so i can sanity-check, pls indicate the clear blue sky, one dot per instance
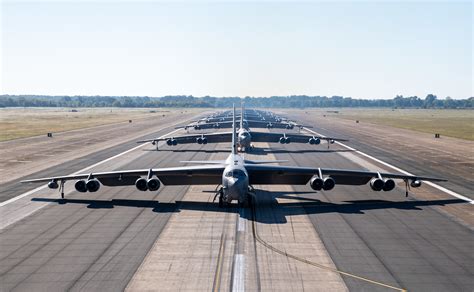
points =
(358, 49)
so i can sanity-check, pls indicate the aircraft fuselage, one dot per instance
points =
(235, 180)
(244, 138)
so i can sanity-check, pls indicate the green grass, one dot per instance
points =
(451, 123)
(26, 122)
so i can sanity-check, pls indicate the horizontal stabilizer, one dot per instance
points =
(264, 161)
(204, 161)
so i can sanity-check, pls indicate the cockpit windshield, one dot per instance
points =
(236, 173)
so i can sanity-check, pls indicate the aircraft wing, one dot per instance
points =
(185, 175)
(267, 174)
(294, 138)
(187, 139)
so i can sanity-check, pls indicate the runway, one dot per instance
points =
(178, 239)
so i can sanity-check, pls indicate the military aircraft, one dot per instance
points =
(260, 120)
(235, 175)
(245, 137)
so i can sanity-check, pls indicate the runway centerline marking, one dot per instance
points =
(436, 186)
(82, 170)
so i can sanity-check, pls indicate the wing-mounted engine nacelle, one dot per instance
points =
(318, 183)
(197, 127)
(171, 142)
(141, 184)
(415, 183)
(217, 125)
(92, 185)
(314, 141)
(153, 184)
(284, 140)
(378, 184)
(201, 140)
(290, 126)
(269, 125)
(331, 141)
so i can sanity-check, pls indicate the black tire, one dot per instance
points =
(221, 202)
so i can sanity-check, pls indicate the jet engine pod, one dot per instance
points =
(92, 185)
(289, 126)
(174, 142)
(388, 185)
(287, 140)
(169, 142)
(141, 184)
(197, 127)
(204, 140)
(81, 186)
(199, 140)
(269, 125)
(314, 141)
(316, 183)
(376, 184)
(331, 141)
(53, 184)
(415, 183)
(153, 184)
(328, 184)
(282, 140)
(217, 126)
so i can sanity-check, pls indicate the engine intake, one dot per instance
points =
(141, 184)
(388, 185)
(92, 185)
(316, 183)
(153, 184)
(314, 141)
(328, 184)
(377, 184)
(81, 186)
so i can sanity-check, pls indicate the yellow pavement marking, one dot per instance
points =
(217, 280)
(269, 246)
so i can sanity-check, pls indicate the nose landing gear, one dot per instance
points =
(220, 194)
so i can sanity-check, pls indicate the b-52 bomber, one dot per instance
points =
(235, 175)
(245, 137)
(255, 121)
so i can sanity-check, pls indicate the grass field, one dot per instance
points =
(451, 123)
(26, 122)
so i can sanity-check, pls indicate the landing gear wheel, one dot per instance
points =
(221, 202)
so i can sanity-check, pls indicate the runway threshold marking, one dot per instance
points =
(436, 186)
(220, 260)
(82, 170)
(303, 260)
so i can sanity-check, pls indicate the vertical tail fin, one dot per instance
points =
(242, 115)
(234, 149)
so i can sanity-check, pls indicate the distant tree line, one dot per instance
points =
(293, 101)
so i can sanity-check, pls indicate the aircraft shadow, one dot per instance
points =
(269, 210)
